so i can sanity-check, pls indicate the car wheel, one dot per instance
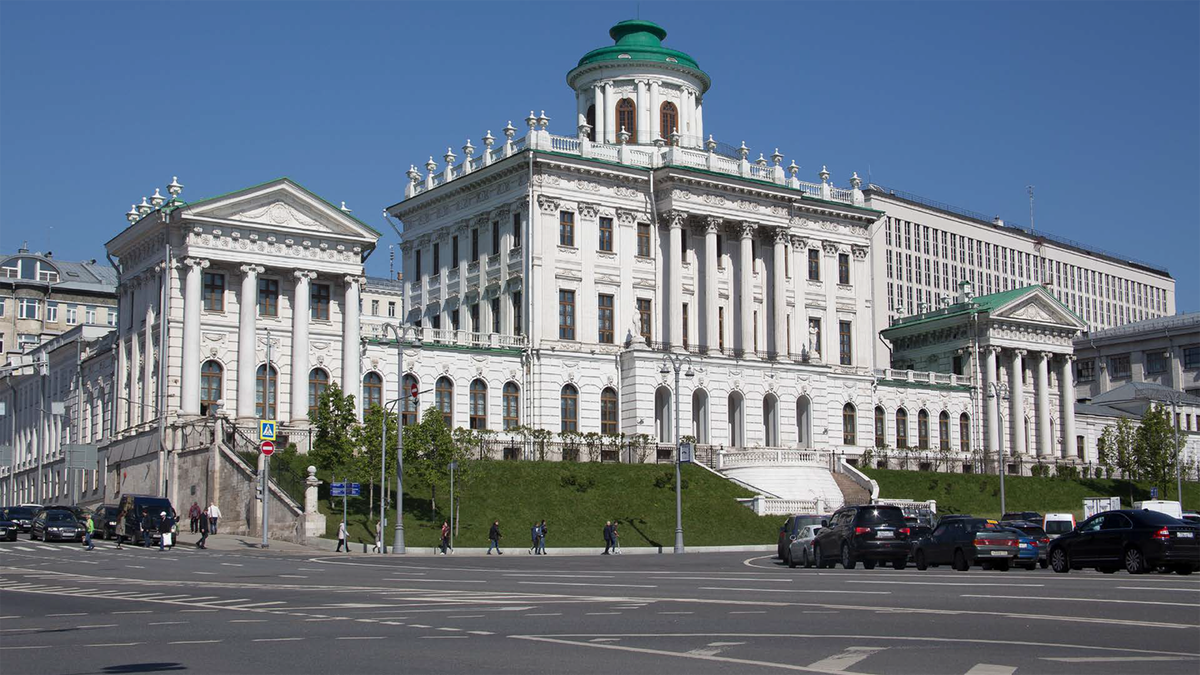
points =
(960, 561)
(1135, 563)
(1001, 565)
(1107, 570)
(1044, 563)
(787, 557)
(899, 564)
(1031, 566)
(32, 536)
(791, 562)
(921, 563)
(1059, 561)
(848, 561)
(1184, 570)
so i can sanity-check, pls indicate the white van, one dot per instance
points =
(1173, 509)
(1056, 524)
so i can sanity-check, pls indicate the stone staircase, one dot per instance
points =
(852, 493)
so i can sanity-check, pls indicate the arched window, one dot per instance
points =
(264, 383)
(964, 432)
(569, 408)
(668, 119)
(627, 117)
(901, 428)
(700, 415)
(512, 405)
(770, 421)
(608, 411)
(443, 398)
(944, 431)
(923, 430)
(804, 422)
(663, 425)
(880, 427)
(737, 420)
(412, 404)
(372, 390)
(849, 434)
(211, 374)
(478, 404)
(318, 382)
(591, 122)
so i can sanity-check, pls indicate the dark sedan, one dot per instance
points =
(8, 528)
(963, 542)
(56, 524)
(1138, 540)
(21, 515)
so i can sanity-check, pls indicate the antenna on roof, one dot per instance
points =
(391, 261)
(1030, 189)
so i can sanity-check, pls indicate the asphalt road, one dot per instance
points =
(64, 610)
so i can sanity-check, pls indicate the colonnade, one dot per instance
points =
(1043, 443)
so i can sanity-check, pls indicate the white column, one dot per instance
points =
(643, 107)
(598, 95)
(673, 266)
(300, 318)
(700, 122)
(148, 403)
(444, 252)
(135, 370)
(350, 341)
(711, 340)
(1017, 402)
(1066, 397)
(992, 411)
(779, 288)
(247, 349)
(610, 114)
(654, 101)
(1045, 444)
(189, 403)
(745, 292)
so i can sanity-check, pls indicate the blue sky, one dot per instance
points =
(1097, 104)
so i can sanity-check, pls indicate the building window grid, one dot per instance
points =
(214, 292)
(606, 235)
(605, 309)
(566, 315)
(566, 229)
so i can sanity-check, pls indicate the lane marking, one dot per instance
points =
(197, 611)
(166, 623)
(990, 669)
(567, 583)
(1158, 588)
(944, 583)
(755, 611)
(771, 579)
(1102, 600)
(791, 590)
(480, 632)
(99, 625)
(465, 616)
(70, 614)
(193, 642)
(292, 576)
(113, 644)
(1116, 659)
(676, 612)
(360, 637)
(602, 613)
(248, 621)
(28, 647)
(545, 614)
(443, 637)
(663, 652)
(134, 611)
(283, 639)
(840, 662)
(233, 564)
(564, 576)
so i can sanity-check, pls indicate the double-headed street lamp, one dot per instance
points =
(675, 361)
(999, 391)
(399, 330)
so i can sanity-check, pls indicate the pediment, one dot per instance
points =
(1041, 308)
(283, 205)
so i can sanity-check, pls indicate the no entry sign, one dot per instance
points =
(266, 447)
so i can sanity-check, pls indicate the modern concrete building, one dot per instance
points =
(1163, 350)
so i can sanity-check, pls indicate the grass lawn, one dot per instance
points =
(575, 499)
(980, 494)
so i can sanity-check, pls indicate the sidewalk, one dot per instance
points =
(241, 542)
(358, 548)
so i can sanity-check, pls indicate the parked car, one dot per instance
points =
(963, 542)
(1023, 515)
(1027, 548)
(22, 515)
(871, 533)
(1170, 507)
(790, 529)
(81, 513)
(104, 518)
(915, 534)
(56, 524)
(1138, 540)
(8, 528)
(801, 550)
(133, 505)
(1034, 530)
(954, 516)
(1056, 524)
(1191, 516)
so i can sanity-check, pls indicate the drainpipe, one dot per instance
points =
(527, 299)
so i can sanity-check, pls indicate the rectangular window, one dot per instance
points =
(72, 315)
(319, 308)
(455, 318)
(643, 308)
(1191, 357)
(392, 309)
(518, 327)
(720, 252)
(754, 329)
(606, 235)
(89, 315)
(1118, 366)
(495, 304)
(268, 297)
(417, 265)
(685, 325)
(566, 314)
(454, 252)
(643, 240)
(844, 342)
(1156, 362)
(566, 228)
(721, 328)
(475, 244)
(52, 312)
(435, 321)
(475, 318)
(437, 258)
(28, 308)
(1085, 370)
(844, 269)
(374, 308)
(605, 307)
(214, 292)
(814, 264)
(495, 237)
(516, 230)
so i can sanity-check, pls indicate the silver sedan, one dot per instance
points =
(800, 552)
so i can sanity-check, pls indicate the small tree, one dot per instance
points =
(336, 425)
(1155, 448)
(1115, 449)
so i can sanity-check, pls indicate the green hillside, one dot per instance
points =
(575, 499)
(980, 495)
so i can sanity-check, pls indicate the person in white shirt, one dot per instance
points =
(214, 514)
(342, 538)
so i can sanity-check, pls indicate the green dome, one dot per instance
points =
(638, 40)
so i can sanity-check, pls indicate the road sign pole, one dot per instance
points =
(267, 408)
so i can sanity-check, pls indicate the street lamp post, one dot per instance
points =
(399, 330)
(999, 390)
(1175, 397)
(675, 361)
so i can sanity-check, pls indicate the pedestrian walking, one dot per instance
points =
(214, 515)
(194, 516)
(542, 530)
(87, 537)
(445, 536)
(378, 536)
(203, 525)
(164, 531)
(146, 524)
(121, 516)
(616, 540)
(533, 538)
(607, 537)
(494, 538)
(342, 538)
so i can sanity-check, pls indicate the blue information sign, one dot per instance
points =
(344, 489)
(353, 490)
(1153, 493)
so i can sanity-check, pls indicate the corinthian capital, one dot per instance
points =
(744, 229)
(304, 275)
(712, 224)
(674, 218)
(354, 280)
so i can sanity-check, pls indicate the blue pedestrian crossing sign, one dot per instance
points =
(266, 430)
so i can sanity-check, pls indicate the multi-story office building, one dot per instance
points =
(1163, 351)
(41, 297)
(922, 251)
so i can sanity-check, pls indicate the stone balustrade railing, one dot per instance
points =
(731, 459)
(447, 337)
(924, 377)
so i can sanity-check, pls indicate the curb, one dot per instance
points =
(359, 548)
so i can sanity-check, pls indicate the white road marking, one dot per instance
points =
(138, 567)
(662, 652)
(233, 564)
(9, 617)
(135, 611)
(567, 583)
(165, 623)
(284, 639)
(113, 644)
(565, 576)
(943, 583)
(439, 637)
(753, 611)
(545, 614)
(990, 669)
(310, 569)
(193, 642)
(1105, 600)
(29, 647)
(70, 614)
(16, 630)
(480, 632)
(1157, 588)
(1116, 659)
(218, 602)
(605, 640)
(23, 548)
(99, 625)
(713, 648)
(205, 573)
(465, 616)
(676, 612)
(197, 610)
(840, 662)
(600, 613)
(292, 576)
(791, 590)
(361, 637)
(248, 621)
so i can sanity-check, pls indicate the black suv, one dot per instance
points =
(871, 533)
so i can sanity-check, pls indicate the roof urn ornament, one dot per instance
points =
(776, 157)
(468, 150)
(489, 140)
(144, 207)
(711, 144)
(414, 176)
(675, 138)
(431, 165)
(585, 130)
(743, 151)
(761, 161)
(449, 157)
(133, 214)
(531, 121)
(157, 200)
(622, 136)
(824, 174)
(345, 209)
(174, 188)
(509, 130)
(793, 168)
(855, 181)
(543, 121)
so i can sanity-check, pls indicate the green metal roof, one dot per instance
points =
(638, 40)
(983, 303)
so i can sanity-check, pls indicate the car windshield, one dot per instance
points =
(1058, 526)
(60, 517)
(882, 516)
(1031, 530)
(20, 512)
(1157, 518)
